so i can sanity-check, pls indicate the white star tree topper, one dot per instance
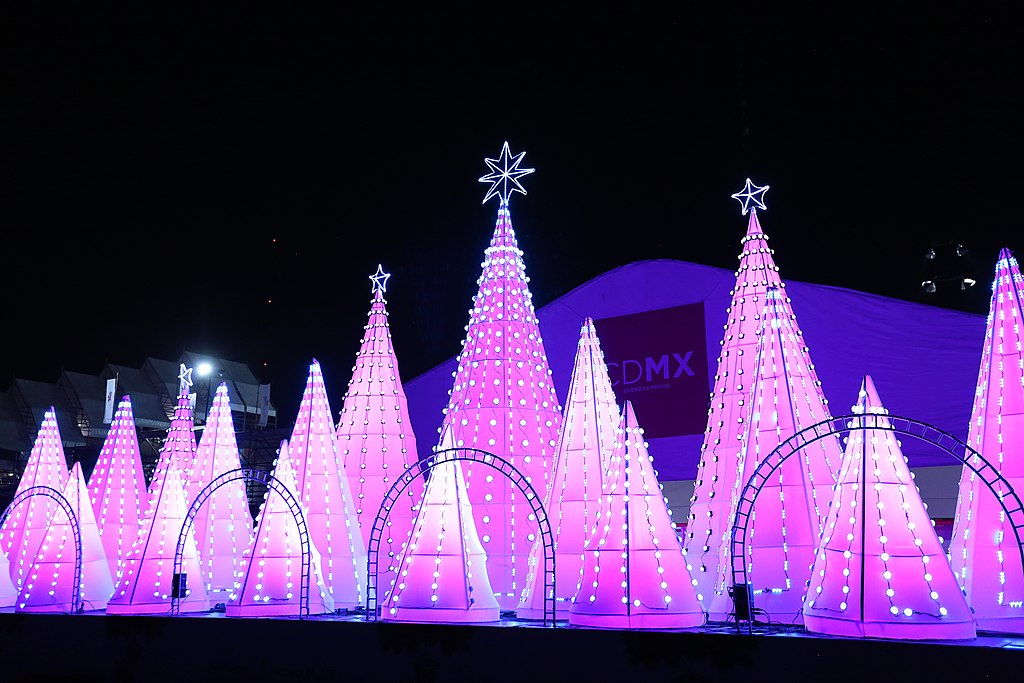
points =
(504, 176)
(380, 280)
(751, 194)
(184, 378)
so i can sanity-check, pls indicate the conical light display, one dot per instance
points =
(589, 424)
(50, 584)
(880, 570)
(271, 567)
(983, 549)
(179, 446)
(117, 486)
(634, 575)
(324, 494)
(223, 523)
(443, 574)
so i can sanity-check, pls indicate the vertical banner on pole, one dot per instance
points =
(108, 405)
(263, 400)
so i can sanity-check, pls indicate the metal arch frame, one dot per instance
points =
(420, 468)
(273, 484)
(860, 422)
(76, 588)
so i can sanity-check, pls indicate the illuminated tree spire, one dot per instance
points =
(443, 575)
(880, 570)
(51, 582)
(25, 527)
(324, 493)
(375, 437)
(590, 420)
(721, 469)
(179, 446)
(983, 549)
(503, 400)
(117, 487)
(223, 523)
(271, 583)
(634, 575)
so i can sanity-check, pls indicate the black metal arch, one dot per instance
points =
(423, 466)
(272, 484)
(923, 431)
(76, 587)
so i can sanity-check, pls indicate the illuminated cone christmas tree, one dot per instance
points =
(443, 576)
(983, 549)
(180, 445)
(146, 582)
(25, 526)
(722, 469)
(634, 574)
(223, 523)
(271, 567)
(503, 400)
(880, 570)
(324, 494)
(51, 582)
(117, 487)
(589, 423)
(375, 437)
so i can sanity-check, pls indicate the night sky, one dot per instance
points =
(226, 181)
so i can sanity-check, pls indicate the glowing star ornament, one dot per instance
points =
(504, 176)
(721, 470)
(117, 486)
(324, 494)
(443, 571)
(25, 526)
(880, 570)
(179, 446)
(503, 401)
(751, 194)
(983, 549)
(184, 379)
(634, 575)
(147, 578)
(271, 567)
(51, 582)
(223, 523)
(380, 280)
(589, 424)
(375, 439)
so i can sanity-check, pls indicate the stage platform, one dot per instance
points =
(211, 647)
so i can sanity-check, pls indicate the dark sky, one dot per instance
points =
(226, 181)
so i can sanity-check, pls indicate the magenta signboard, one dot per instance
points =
(658, 361)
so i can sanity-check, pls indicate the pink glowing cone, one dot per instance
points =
(503, 401)
(634, 575)
(324, 493)
(25, 526)
(223, 523)
(880, 571)
(375, 437)
(983, 549)
(146, 582)
(51, 582)
(443, 573)
(589, 423)
(271, 567)
(8, 593)
(722, 468)
(117, 487)
(179, 447)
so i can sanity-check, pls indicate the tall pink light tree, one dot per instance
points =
(50, 585)
(375, 437)
(117, 486)
(180, 444)
(324, 493)
(590, 420)
(271, 566)
(223, 523)
(880, 570)
(442, 576)
(634, 574)
(25, 526)
(730, 440)
(502, 399)
(983, 549)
